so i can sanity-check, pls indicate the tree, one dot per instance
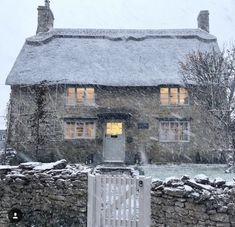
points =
(210, 76)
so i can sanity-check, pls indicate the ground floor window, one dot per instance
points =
(174, 131)
(79, 129)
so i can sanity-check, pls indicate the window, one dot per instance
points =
(114, 128)
(71, 96)
(79, 129)
(173, 96)
(174, 131)
(81, 96)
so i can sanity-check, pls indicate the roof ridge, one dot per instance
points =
(119, 34)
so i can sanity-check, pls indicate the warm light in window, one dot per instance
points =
(89, 128)
(79, 129)
(164, 95)
(173, 96)
(183, 96)
(80, 95)
(71, 96)
(114, 128)
(70, 132)
(90, 95)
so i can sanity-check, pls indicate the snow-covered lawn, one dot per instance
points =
(170, 170)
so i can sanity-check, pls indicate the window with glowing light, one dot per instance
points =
(173, 96)
(114, 128)
(80, 96)
(79, 129)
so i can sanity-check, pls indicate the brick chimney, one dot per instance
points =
(203, 20)
(45, 18)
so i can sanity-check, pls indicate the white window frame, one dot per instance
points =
(169, 125)
(178, 96)
(84, 128)
(76, 102)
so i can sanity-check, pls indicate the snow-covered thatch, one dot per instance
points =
(107, 57)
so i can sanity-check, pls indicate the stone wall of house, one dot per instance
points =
(142, 103)
(193, 202)
(49, 195)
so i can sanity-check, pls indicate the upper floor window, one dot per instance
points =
(173, 96)
(80, 95)
(79, 129)
(174, 131)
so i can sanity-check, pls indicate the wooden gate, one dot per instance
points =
(118, 201)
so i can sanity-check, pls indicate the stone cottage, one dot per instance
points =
(112, 95)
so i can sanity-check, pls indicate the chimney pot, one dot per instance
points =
(45, 18)
(203, 20)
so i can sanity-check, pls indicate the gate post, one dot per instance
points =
(91, 201)
(144, 185)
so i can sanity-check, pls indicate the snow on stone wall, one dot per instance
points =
(55, 194)
(193, 202)
(47, 194)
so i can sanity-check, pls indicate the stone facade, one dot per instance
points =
(46, 197)
(142, 104)
(186, 202)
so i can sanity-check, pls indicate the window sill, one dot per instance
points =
(174, 105)
(80, 105)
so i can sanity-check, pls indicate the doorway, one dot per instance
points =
(114, 141)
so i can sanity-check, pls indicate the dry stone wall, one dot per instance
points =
(47, 195)
(193, 202)
(55, 194)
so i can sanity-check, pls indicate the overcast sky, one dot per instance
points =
(18, 20)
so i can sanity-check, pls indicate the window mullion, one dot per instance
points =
(161, 131)
(74, 129)
(84, 130)
(84, 96)
(179, 131)
(169, 129)
(169, 96)
(76, 97)
(178, 96)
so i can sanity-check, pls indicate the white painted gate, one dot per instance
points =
(118, 201)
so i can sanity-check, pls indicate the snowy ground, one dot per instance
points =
(170, 170)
